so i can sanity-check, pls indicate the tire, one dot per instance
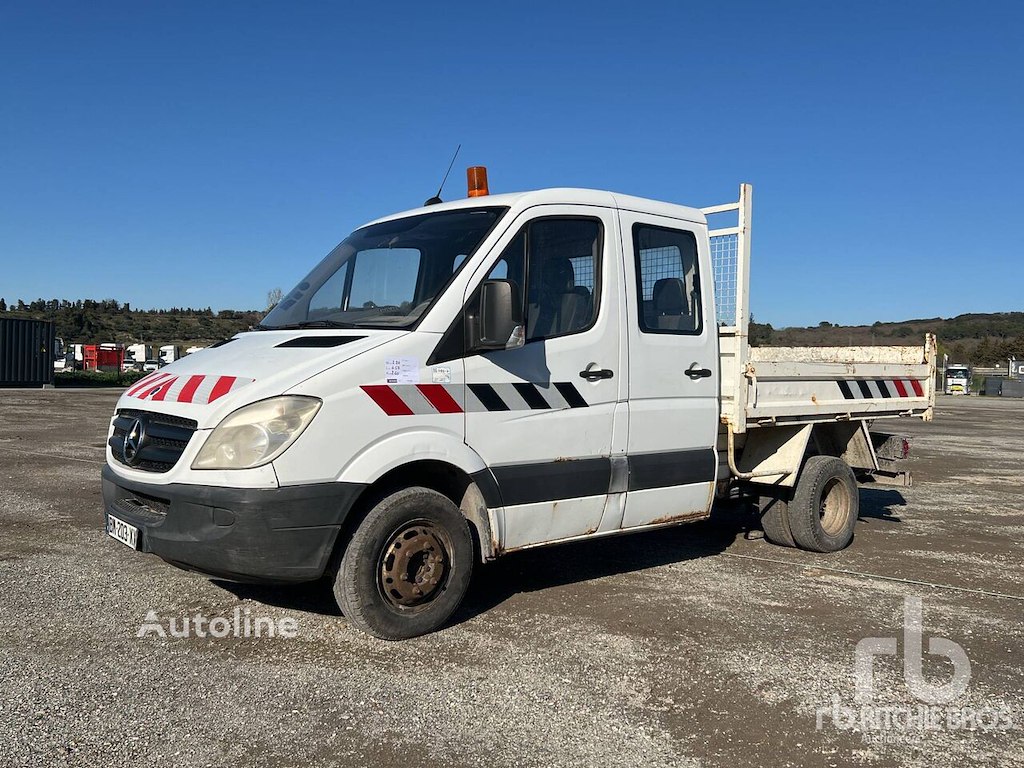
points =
(824, 509)
(406, 567)
(775, 521)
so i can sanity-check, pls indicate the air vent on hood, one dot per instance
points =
(318, 342)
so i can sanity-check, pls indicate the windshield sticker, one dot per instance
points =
(402, 370)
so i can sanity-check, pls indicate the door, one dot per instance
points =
(541, 415)
(673, 370)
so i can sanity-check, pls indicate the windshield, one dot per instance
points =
(957, 373)
(385, 275)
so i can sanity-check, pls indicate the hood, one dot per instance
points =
(210, 383)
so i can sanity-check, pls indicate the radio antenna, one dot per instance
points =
(437, 198)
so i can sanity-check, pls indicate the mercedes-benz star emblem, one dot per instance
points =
(132, 442)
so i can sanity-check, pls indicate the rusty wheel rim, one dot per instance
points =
(414, 565)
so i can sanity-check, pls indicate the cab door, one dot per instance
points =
(541, 415)
(673, 394)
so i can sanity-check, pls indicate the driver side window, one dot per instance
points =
(558, 261)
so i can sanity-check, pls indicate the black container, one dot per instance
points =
(26, 352)
(1012, 388)
(993, 386)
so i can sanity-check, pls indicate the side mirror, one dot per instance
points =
(501, 317)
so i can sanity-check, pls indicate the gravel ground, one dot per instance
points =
(692, 646)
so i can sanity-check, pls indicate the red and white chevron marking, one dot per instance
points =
(431, 399)
(873, 389)
(198, 389)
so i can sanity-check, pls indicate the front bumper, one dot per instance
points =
(244, 534)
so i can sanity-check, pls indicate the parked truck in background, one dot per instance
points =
(169, 353)
(958, 380)
(483, 376)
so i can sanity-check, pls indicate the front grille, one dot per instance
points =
(164, 439)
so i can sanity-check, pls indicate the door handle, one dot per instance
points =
(697, 373)
(590, 373)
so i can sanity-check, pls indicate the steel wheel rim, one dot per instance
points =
(415, 565)
(835, 506)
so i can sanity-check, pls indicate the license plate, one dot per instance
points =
(120, 530)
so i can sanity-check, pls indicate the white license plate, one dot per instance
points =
(120, 530)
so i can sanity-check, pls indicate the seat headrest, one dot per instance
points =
(670, 296)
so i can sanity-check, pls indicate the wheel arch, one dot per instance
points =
(456, 472)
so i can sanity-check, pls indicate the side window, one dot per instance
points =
(559, 261)
(330, 296)
(668, 285)
(563, 271)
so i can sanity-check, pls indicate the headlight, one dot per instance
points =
(257, 434)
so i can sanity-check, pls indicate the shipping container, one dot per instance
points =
(26, 352)
(104, 357)
(993, 386)
(1012, 388)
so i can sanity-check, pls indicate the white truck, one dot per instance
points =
(169, 353)
(473, 378)
(958, 380)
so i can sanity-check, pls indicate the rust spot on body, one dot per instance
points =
(679, 518)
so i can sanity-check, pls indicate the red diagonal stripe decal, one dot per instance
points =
(438, 397)
(222, 387)
(900, 388)
(146, 381)
(161, 392)
(917, 387)
(189, 390)
(387, 399)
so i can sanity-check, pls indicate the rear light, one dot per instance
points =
(476, 181)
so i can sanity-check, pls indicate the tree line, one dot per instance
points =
(95, 321)
(974, 339)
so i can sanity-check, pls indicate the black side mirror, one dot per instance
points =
(501, 317)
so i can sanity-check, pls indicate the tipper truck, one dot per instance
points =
(473, 378)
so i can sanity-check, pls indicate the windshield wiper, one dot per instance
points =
(304, 324)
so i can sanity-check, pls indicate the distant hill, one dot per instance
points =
(87, 321)
(978, 339)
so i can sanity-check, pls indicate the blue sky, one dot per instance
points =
(200, 154)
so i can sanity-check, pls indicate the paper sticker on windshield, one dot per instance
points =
(402, 370)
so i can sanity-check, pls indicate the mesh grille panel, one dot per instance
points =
(724, 261)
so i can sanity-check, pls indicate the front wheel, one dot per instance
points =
(407, 566)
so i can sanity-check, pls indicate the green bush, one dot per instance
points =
(96, 378)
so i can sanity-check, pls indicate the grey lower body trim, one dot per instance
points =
(514, 484)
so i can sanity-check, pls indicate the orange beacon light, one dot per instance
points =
(476, 180)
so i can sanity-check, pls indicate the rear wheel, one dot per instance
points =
(775, 521)
(407, 566)
(824, 509)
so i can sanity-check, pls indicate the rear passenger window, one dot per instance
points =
(667, 281)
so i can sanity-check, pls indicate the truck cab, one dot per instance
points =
(958, 380)
(545, 363)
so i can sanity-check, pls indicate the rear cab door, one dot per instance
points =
(673, 385)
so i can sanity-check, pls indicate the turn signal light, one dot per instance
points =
(476, 181)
